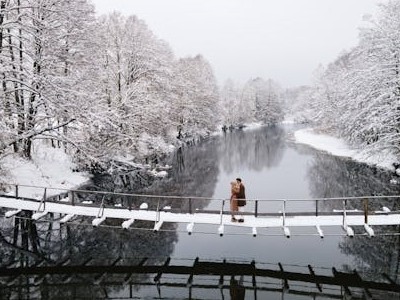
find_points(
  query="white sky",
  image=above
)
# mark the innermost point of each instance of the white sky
(284, 40)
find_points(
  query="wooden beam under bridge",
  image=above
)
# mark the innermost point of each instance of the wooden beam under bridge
(218, 269)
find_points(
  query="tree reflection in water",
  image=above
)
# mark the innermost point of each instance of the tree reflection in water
(340, 177)
(29, 243)
(254, 149)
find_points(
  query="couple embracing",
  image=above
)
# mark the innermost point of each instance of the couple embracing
(238, 198)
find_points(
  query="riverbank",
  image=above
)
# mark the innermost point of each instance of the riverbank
(338, 147)
(49, 167)
(52, 167)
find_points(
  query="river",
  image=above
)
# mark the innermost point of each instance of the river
(272, 166)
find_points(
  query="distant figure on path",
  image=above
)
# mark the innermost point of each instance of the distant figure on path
(237, 198)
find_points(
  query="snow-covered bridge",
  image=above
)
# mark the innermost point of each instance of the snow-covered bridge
(351, 214)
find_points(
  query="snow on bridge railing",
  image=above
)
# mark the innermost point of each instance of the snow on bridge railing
(284, 213)
(354, 205)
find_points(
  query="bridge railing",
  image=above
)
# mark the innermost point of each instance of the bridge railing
(366, 205)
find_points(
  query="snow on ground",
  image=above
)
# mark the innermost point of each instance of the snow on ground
(338, 147)
(50, 167)
(253, 125)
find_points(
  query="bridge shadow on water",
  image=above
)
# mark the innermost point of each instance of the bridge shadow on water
(149, 278)
(46, 260)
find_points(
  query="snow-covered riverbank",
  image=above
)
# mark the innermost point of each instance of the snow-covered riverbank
(51, 167)
(337, 147)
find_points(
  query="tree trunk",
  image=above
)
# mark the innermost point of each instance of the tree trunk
(7, 104)
(32, 110)
(21, 112)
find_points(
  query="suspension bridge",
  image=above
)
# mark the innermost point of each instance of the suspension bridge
(365, 213)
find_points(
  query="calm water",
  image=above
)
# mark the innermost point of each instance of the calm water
(272, 166)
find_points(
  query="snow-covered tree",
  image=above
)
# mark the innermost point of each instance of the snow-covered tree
(195, 108)
(130, 76)
(264, 99)
(228, 99)
(100, 88)
(377, 77)
(296, 104)
(41, 43)
(357, 97)
(256, 101)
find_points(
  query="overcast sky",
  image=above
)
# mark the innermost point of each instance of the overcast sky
(284, 40)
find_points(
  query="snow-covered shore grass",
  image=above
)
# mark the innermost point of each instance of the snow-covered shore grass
(49, 167)
(338, 147)
(52, 168)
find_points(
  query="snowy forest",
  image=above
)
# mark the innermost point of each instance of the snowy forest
(357, 96)
(106, 87)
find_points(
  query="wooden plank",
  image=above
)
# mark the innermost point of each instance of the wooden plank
(12, 213)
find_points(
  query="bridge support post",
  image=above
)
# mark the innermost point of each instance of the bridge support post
(283, 213)
(369, 230)
(189, 228)
(320, 232)
(365, 211)
(221, 230)
(222, 211)
(71, 197)
(158, 211)
(43, 202)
